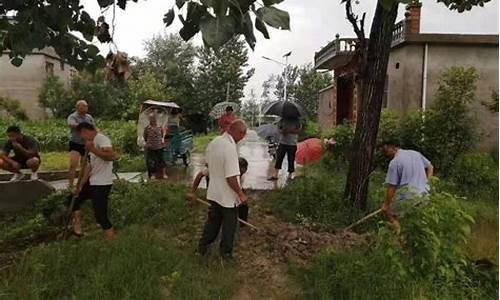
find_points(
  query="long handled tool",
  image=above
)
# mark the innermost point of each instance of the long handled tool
(368, 216)
(83, 166)
(240, 220)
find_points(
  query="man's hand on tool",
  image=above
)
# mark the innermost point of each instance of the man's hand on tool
(243, 198)
(191, 196)
(77, 190)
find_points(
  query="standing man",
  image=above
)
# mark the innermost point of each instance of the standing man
(289, 136)
(76, 143)
(97, 181)
(226, 119)
(224, 191)
(26, 155)
(407, 177)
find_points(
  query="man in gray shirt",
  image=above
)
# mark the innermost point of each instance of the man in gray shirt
(407, 177)
(289, 135)
(76, 143)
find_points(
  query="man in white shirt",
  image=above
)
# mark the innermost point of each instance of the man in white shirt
(97, 180)
(224, 191)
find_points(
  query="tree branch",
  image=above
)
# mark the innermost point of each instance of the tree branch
(353, 19)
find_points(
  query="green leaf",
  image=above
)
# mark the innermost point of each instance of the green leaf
(194, 14)
(16, 61)
(217, 31)
(92, 51)
(105, 3)
(271, 2)
(180, 3)
(386, 4)
(247, 29)
(274, 17)
(261, 27)
(169, 17)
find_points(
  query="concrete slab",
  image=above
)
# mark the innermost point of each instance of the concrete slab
(16, 196)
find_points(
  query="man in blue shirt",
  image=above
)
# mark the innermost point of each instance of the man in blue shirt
(407, 177)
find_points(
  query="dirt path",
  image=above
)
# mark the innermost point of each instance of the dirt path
(264, 256)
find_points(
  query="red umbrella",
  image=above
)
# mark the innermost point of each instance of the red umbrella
(309, 150)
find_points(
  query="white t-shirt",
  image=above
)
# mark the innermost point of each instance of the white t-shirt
(101, 172)
(222, 160)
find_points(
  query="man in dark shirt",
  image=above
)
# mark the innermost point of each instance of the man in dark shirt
(26, 156)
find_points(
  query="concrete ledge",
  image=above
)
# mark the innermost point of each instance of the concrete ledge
(16, 196)
(44, 175)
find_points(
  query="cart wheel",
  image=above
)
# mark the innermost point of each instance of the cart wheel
(186, 158)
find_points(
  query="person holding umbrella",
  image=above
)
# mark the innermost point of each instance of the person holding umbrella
(289, 135)
(289, 127)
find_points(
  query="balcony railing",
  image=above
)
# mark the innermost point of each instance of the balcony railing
(337, 47)
(399, 32)
(345, 46)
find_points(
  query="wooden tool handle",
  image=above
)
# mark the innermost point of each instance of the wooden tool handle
(240, 220)
(363, 219)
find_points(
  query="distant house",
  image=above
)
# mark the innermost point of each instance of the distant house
(23, 83)
(415, 63)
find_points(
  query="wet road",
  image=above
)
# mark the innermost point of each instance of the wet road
(260, 164)
(252, 148)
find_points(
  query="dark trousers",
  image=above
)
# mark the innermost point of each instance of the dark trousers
(219, 216)
(99, 196)
(289, 150)
(243, 213)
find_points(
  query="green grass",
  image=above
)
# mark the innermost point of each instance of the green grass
(59, 161)
(52, 161)
(152, 258)
(200, 142)
(139, 264)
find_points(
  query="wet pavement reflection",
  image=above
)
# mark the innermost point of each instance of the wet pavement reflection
(252, 148)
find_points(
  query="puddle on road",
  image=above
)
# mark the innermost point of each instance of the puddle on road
(253, 149)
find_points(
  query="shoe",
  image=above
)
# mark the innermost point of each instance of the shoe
(34, 176)
(228, 260)
(17, 177)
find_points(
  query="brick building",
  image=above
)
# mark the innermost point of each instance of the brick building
(415, 63)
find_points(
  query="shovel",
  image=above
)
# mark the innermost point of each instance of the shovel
(83, 166)
(240, 220)
(368, 216)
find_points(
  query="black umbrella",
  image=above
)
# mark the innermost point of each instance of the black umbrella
(285, 109)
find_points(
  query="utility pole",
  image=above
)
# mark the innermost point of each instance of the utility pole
(227, 91)
(285, 72)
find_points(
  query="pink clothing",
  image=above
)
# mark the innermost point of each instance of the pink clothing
(225, 120)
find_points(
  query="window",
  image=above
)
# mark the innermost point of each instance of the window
(62, 65)
(49, 68)
(397, 65)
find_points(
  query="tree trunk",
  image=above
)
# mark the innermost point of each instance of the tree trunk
(370, 83)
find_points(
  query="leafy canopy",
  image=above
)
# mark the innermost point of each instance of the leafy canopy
(36, 24)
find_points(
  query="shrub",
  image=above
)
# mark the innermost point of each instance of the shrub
(52, 134)
(310, 130)
(476, 176)
(343, 136)
(155, 204)
(426, 261)
(314, 199)
(449, 128)
(54, 96)
(388, 129)
(12, 108)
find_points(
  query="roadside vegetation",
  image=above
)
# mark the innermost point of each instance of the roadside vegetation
(153, 256)
(448, 247)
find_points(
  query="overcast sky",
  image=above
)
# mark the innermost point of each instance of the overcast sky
(313, 24)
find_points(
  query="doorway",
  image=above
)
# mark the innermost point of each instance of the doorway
(345, 91)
